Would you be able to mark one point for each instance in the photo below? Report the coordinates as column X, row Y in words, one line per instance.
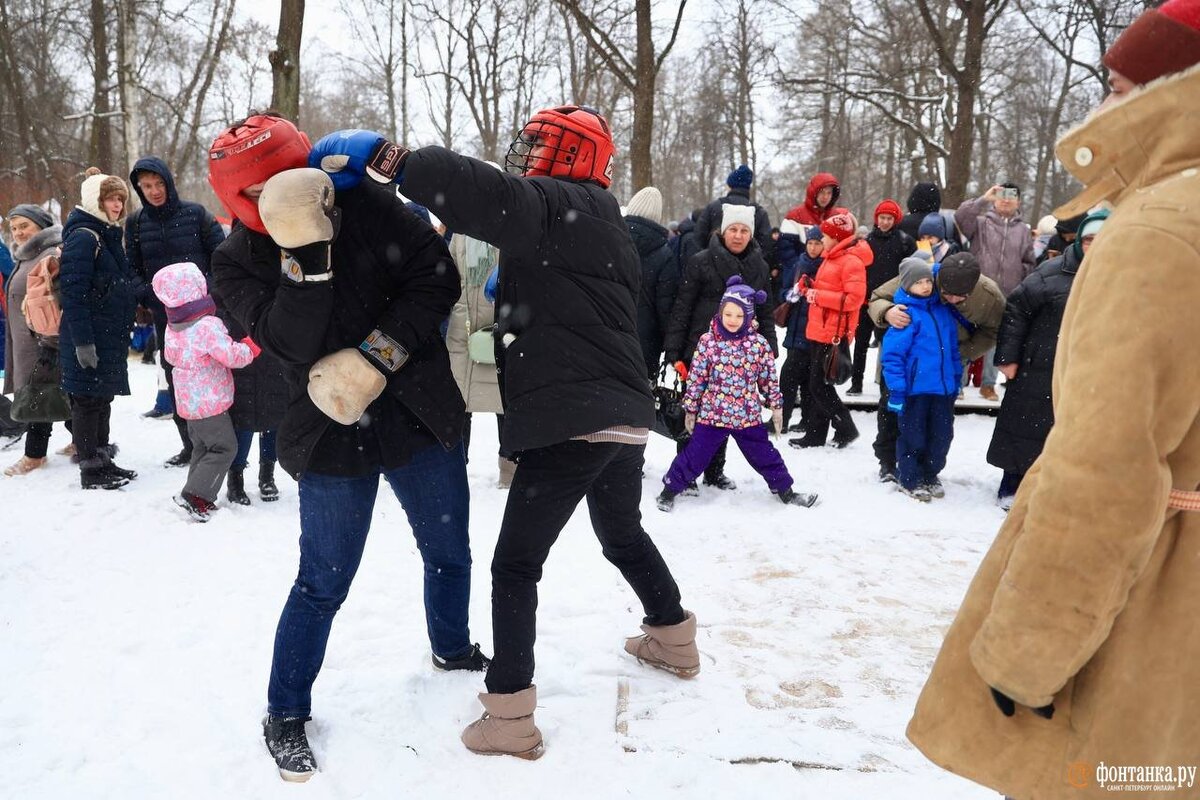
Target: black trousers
column 160, row 331
column 887, row 431
column 862, row 342
column 548, row 485
column 89, row 423
column 792, row 378
column 827, row 407
column 37, row 439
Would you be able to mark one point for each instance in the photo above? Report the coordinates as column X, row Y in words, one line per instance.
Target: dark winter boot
column 473, row 661
column 506, row 727
column 288, row 745
column 668, row 647
column 887, row 473
column 267, row 490
column 935, row 489
column 105, row 454
column 665, row 500
column 197, row 508
column 181, row 459
column 721, row 481
column 791, row 498
column 94, row 474
column 235, row 487
column 843, row 438
column 806, row 441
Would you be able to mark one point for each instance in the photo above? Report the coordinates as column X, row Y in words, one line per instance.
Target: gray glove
column 85, row 354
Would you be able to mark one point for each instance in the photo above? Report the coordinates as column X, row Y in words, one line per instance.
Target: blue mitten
column 896, row 407
column 350, row 154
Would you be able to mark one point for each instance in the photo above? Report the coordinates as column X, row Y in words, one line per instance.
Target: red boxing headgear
column 570, row 142
column 248, row 153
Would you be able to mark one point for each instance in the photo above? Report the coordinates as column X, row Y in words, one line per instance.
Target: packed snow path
column 135, row 645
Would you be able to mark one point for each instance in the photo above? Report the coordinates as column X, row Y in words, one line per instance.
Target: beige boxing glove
column 295, row 206
column 343, row 384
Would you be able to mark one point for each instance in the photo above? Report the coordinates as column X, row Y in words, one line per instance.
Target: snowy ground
column 135, row 646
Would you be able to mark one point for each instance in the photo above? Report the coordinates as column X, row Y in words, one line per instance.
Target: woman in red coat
column 834, row 298
column 820, row 201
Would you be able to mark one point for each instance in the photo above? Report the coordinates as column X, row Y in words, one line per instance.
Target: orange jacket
column 841, row 285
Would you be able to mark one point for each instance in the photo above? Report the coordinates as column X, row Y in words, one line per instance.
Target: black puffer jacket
column 925, row 198
column 890, row 249
column 700, row 294
column 260, row 390
column 158, row 236
column 566, row 307
column 1029, row 337
column 710, row 220
column 391, row 271
column 660, row 281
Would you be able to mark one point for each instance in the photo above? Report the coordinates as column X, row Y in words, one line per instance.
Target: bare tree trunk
column 127, row 82
column 285, row 60
column 100, row 148
column 404, row 71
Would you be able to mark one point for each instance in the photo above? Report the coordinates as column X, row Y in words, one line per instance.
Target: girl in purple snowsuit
column 732, row 372
column 198, row 345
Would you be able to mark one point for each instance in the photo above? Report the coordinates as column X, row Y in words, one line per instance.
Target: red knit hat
column 889, row 206
column 1161, row 41
column 840, row 226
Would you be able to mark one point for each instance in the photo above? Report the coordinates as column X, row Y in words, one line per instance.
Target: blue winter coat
column 794, row 261
column 98, row 291
column 158, row 236
column 923, row 357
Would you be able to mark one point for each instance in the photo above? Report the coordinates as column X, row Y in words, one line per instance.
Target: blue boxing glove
column 492, row 284
column 896, row 407
column 350, row 154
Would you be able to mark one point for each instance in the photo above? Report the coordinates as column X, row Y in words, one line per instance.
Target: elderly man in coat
column 1077, row 641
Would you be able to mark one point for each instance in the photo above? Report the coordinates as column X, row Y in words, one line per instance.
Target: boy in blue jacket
column 922, row 370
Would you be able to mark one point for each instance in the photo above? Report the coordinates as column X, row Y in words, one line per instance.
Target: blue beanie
column 740, row 178
column 812, row 234
column 933, row 225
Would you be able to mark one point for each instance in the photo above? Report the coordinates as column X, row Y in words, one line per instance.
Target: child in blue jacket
column 922, row 370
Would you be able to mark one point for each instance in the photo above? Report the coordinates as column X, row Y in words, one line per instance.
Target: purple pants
column 706, row 440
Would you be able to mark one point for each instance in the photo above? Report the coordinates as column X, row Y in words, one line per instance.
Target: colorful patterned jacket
column 729, row 380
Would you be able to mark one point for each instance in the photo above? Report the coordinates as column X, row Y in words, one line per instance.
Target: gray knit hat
column 647, row 203
column 35, row 214
column 913, row 269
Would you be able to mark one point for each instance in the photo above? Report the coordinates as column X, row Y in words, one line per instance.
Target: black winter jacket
column 158, row 236
column 391, row 271
column 710, row 221
column 260, row 389
column 98, row 293
column 890, row 249
column 1029, row 338
column 660, row 282
column 700, row 293
column 567, row 345
column 924, row 199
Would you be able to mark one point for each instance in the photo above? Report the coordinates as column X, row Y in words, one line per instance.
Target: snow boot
column 506, row 727
column 197, row 508
column 720, row 481
column 106, row 454
column 25, row 466
column 288, row 745
column 691, row 490
column 181, row 459
column 935, row 489
column 920, row 493
column 94, row 474
column 668, row 647
column 806, row 441
column 268, row 492
column 235, row 486
column 791, row 498
column 665, row 500
column 887, row 473
column 473, row 661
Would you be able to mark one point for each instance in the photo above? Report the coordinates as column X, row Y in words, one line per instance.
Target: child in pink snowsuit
column 199, row 347
column 732, row 373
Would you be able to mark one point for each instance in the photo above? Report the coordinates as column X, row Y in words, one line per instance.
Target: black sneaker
column 665, row 500
column 235, row 487
column 887, row 474
column 788, row 497
column 473, row 661
column 720, row 481
column 935, row 489
column 288, row 745
column 181, row 459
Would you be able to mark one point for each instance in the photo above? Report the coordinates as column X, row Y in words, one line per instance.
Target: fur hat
column 745, row 297
column 732, row 213
column 35, row 214
column 840, row 226
column 958, row 274
column 647, row 203
column 740, row 178
column 889, row 206
column 1161, row 41
column 98, row 187
column 913, row 269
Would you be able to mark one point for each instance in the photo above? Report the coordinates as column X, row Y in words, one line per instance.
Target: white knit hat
column 647, row 204
column 731, row 214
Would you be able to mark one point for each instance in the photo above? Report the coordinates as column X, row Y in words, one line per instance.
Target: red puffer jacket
column 809, row 213
column 841, row 285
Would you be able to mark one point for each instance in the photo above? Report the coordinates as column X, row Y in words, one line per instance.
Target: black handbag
column 838, row 365
column 668, row 408
column 42, row 399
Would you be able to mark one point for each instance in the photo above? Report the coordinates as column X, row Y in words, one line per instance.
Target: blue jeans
column 335, row 516
column 266, row 448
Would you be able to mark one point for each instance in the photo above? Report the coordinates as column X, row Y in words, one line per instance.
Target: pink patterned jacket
column 730, row 379
column 199, row 346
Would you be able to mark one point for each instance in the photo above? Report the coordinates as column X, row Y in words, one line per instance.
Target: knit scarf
column 190, row 312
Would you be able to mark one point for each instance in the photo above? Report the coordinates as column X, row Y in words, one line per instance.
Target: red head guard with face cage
column 571, row 142
column 248, row 153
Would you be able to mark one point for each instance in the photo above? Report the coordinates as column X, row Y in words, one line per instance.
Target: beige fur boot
column 506, row 727
column 668, row 647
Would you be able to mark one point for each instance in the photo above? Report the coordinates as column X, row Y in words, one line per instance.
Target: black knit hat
column 958, row 274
